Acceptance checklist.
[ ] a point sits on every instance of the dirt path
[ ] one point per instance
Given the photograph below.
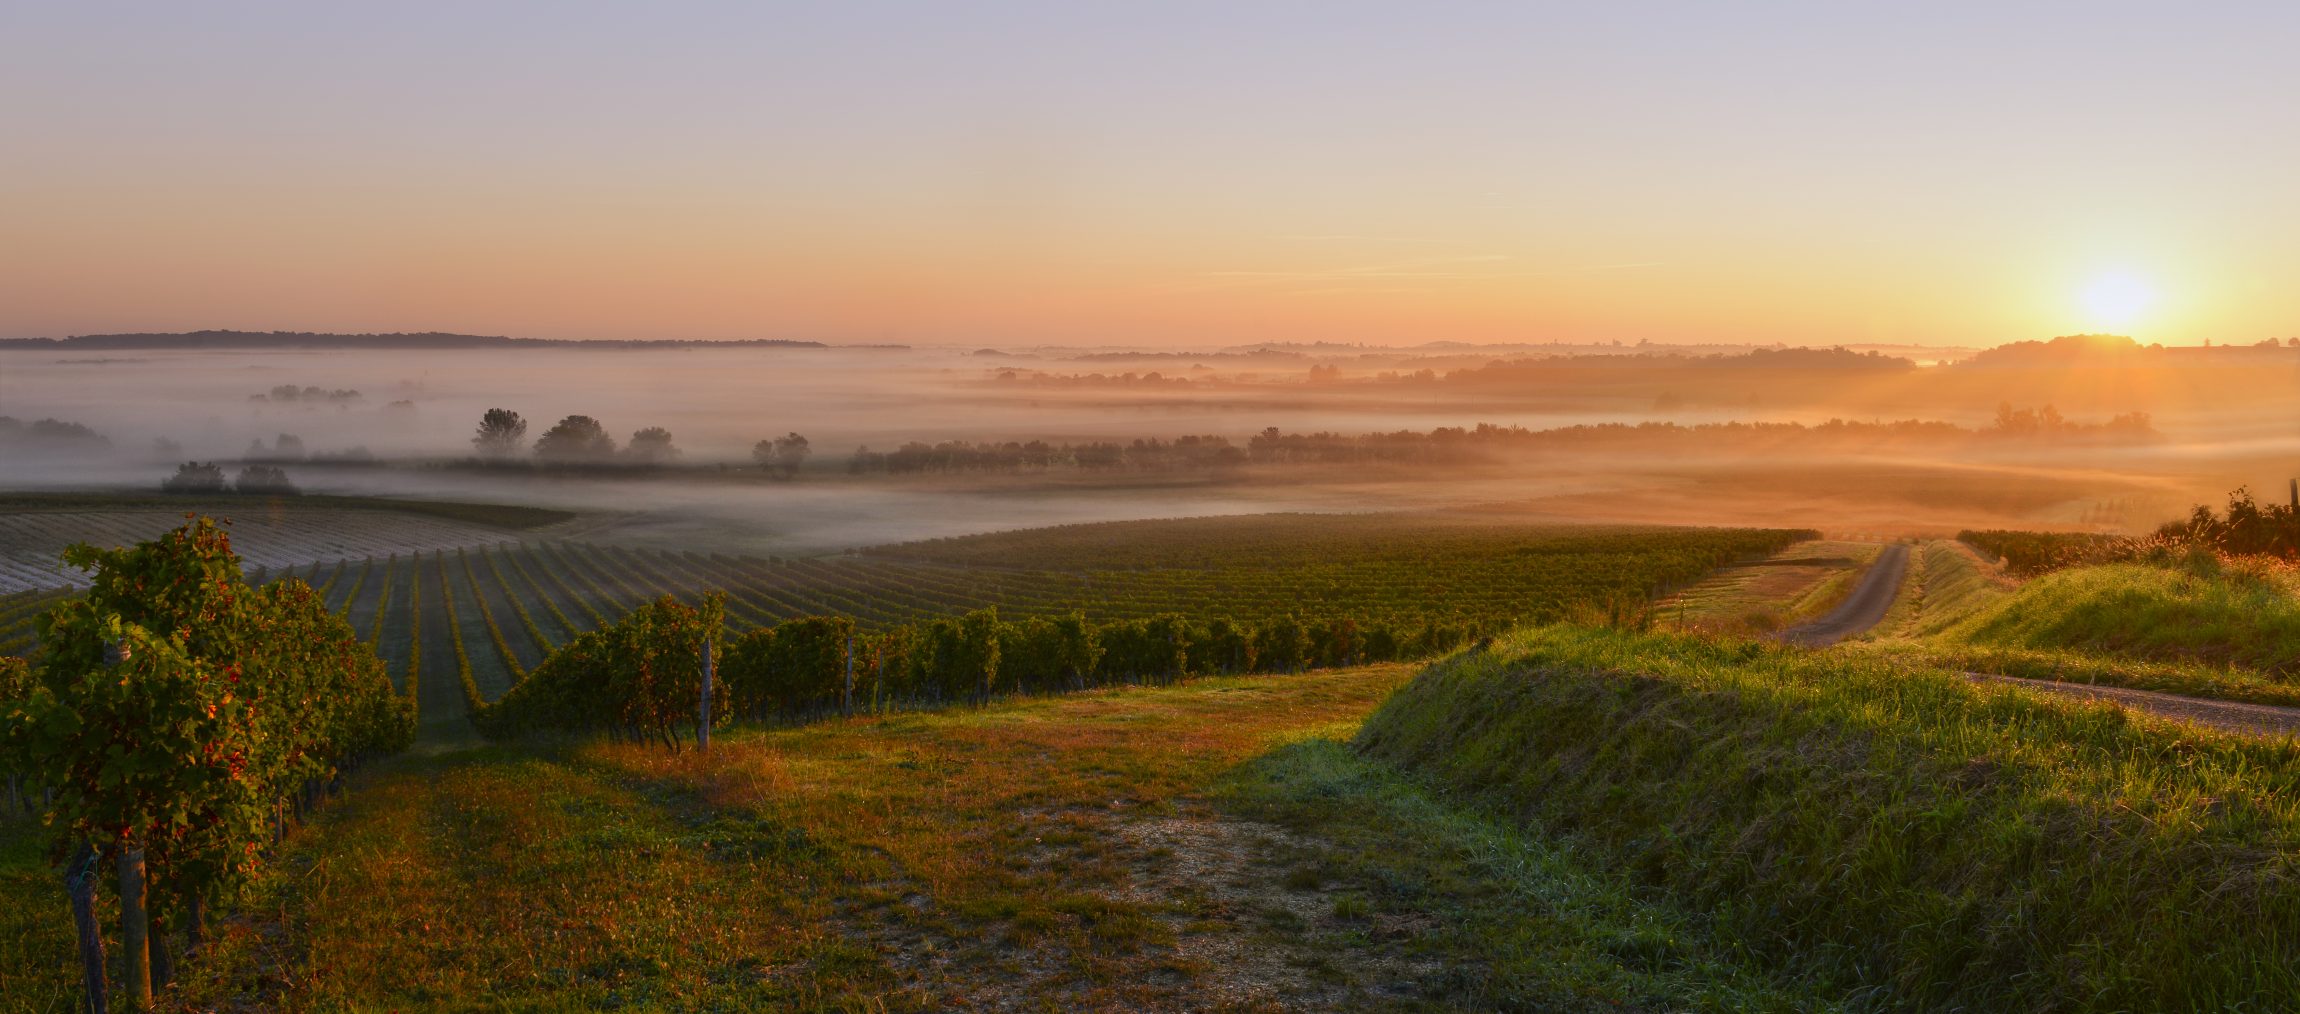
(2232, 716)
(1881, 585)
(1865, 608)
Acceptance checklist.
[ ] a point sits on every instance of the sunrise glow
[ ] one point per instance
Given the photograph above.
(2117, 301)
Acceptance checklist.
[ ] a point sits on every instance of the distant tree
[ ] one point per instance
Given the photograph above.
(195, 477)
(576, 440)
(784, 454)
(265, 480)
(288, 447)
(651, 446)
(500, 432)
(163, 447)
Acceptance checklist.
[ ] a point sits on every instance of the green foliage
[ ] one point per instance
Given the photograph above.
(16, 686)
(793, 668)
(178, 708)
(1042, 655)
(1896, 833)
(640, 678)
(1282, 645)
(956, 658)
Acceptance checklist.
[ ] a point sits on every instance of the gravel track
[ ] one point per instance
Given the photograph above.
(1865, 608)
(1882, 584)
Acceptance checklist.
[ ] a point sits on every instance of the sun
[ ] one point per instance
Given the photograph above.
(2117, 301)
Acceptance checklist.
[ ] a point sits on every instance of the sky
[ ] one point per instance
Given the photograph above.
(1162, 174)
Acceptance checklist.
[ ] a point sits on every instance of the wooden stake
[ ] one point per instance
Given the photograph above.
(80, 884)
(703, 729)
(163, 962)
(135, 929)
(847, 693)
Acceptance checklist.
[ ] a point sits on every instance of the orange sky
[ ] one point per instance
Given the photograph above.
(1174, 174)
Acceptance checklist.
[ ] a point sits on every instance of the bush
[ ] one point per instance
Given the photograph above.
(180, 710)
(639, 679)
(195, 477)
(264, 480)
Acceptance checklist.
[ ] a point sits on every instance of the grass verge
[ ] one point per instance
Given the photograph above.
(1899, 836)
(2200, 612)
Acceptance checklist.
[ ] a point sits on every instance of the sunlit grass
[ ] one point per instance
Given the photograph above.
(1882, 827)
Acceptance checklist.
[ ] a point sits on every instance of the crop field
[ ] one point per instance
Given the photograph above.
(498, 610)
(503, 608)
(275, 536)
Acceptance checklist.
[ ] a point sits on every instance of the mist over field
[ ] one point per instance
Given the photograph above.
(382, 422)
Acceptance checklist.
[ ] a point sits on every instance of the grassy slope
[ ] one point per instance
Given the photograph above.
(1199, 845)
(2205, 636)
(1880, 828)
(2245, 617)
(2197, 629)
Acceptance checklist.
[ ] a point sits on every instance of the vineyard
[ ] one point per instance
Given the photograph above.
(265, 534)
(493, 613)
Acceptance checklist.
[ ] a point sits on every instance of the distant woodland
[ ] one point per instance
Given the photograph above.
(1483, 442)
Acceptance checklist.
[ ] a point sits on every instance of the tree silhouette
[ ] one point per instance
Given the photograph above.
(264, 479)
(500, 431)
(576, 440)
(783, 454)
(651, 446)
(195, 477)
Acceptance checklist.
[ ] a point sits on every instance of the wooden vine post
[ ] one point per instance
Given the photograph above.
(135, 928)
(80, 884)
(847, 690)
(703, 717)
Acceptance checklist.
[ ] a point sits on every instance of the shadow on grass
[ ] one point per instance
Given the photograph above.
(1501, 918)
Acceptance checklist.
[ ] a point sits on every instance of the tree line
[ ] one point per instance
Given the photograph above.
(582, 441)
(207, 477)
(1453, 444)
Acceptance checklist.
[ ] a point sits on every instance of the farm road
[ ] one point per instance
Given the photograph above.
(1869, 602)
(1865, 608)
(2231, 716)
